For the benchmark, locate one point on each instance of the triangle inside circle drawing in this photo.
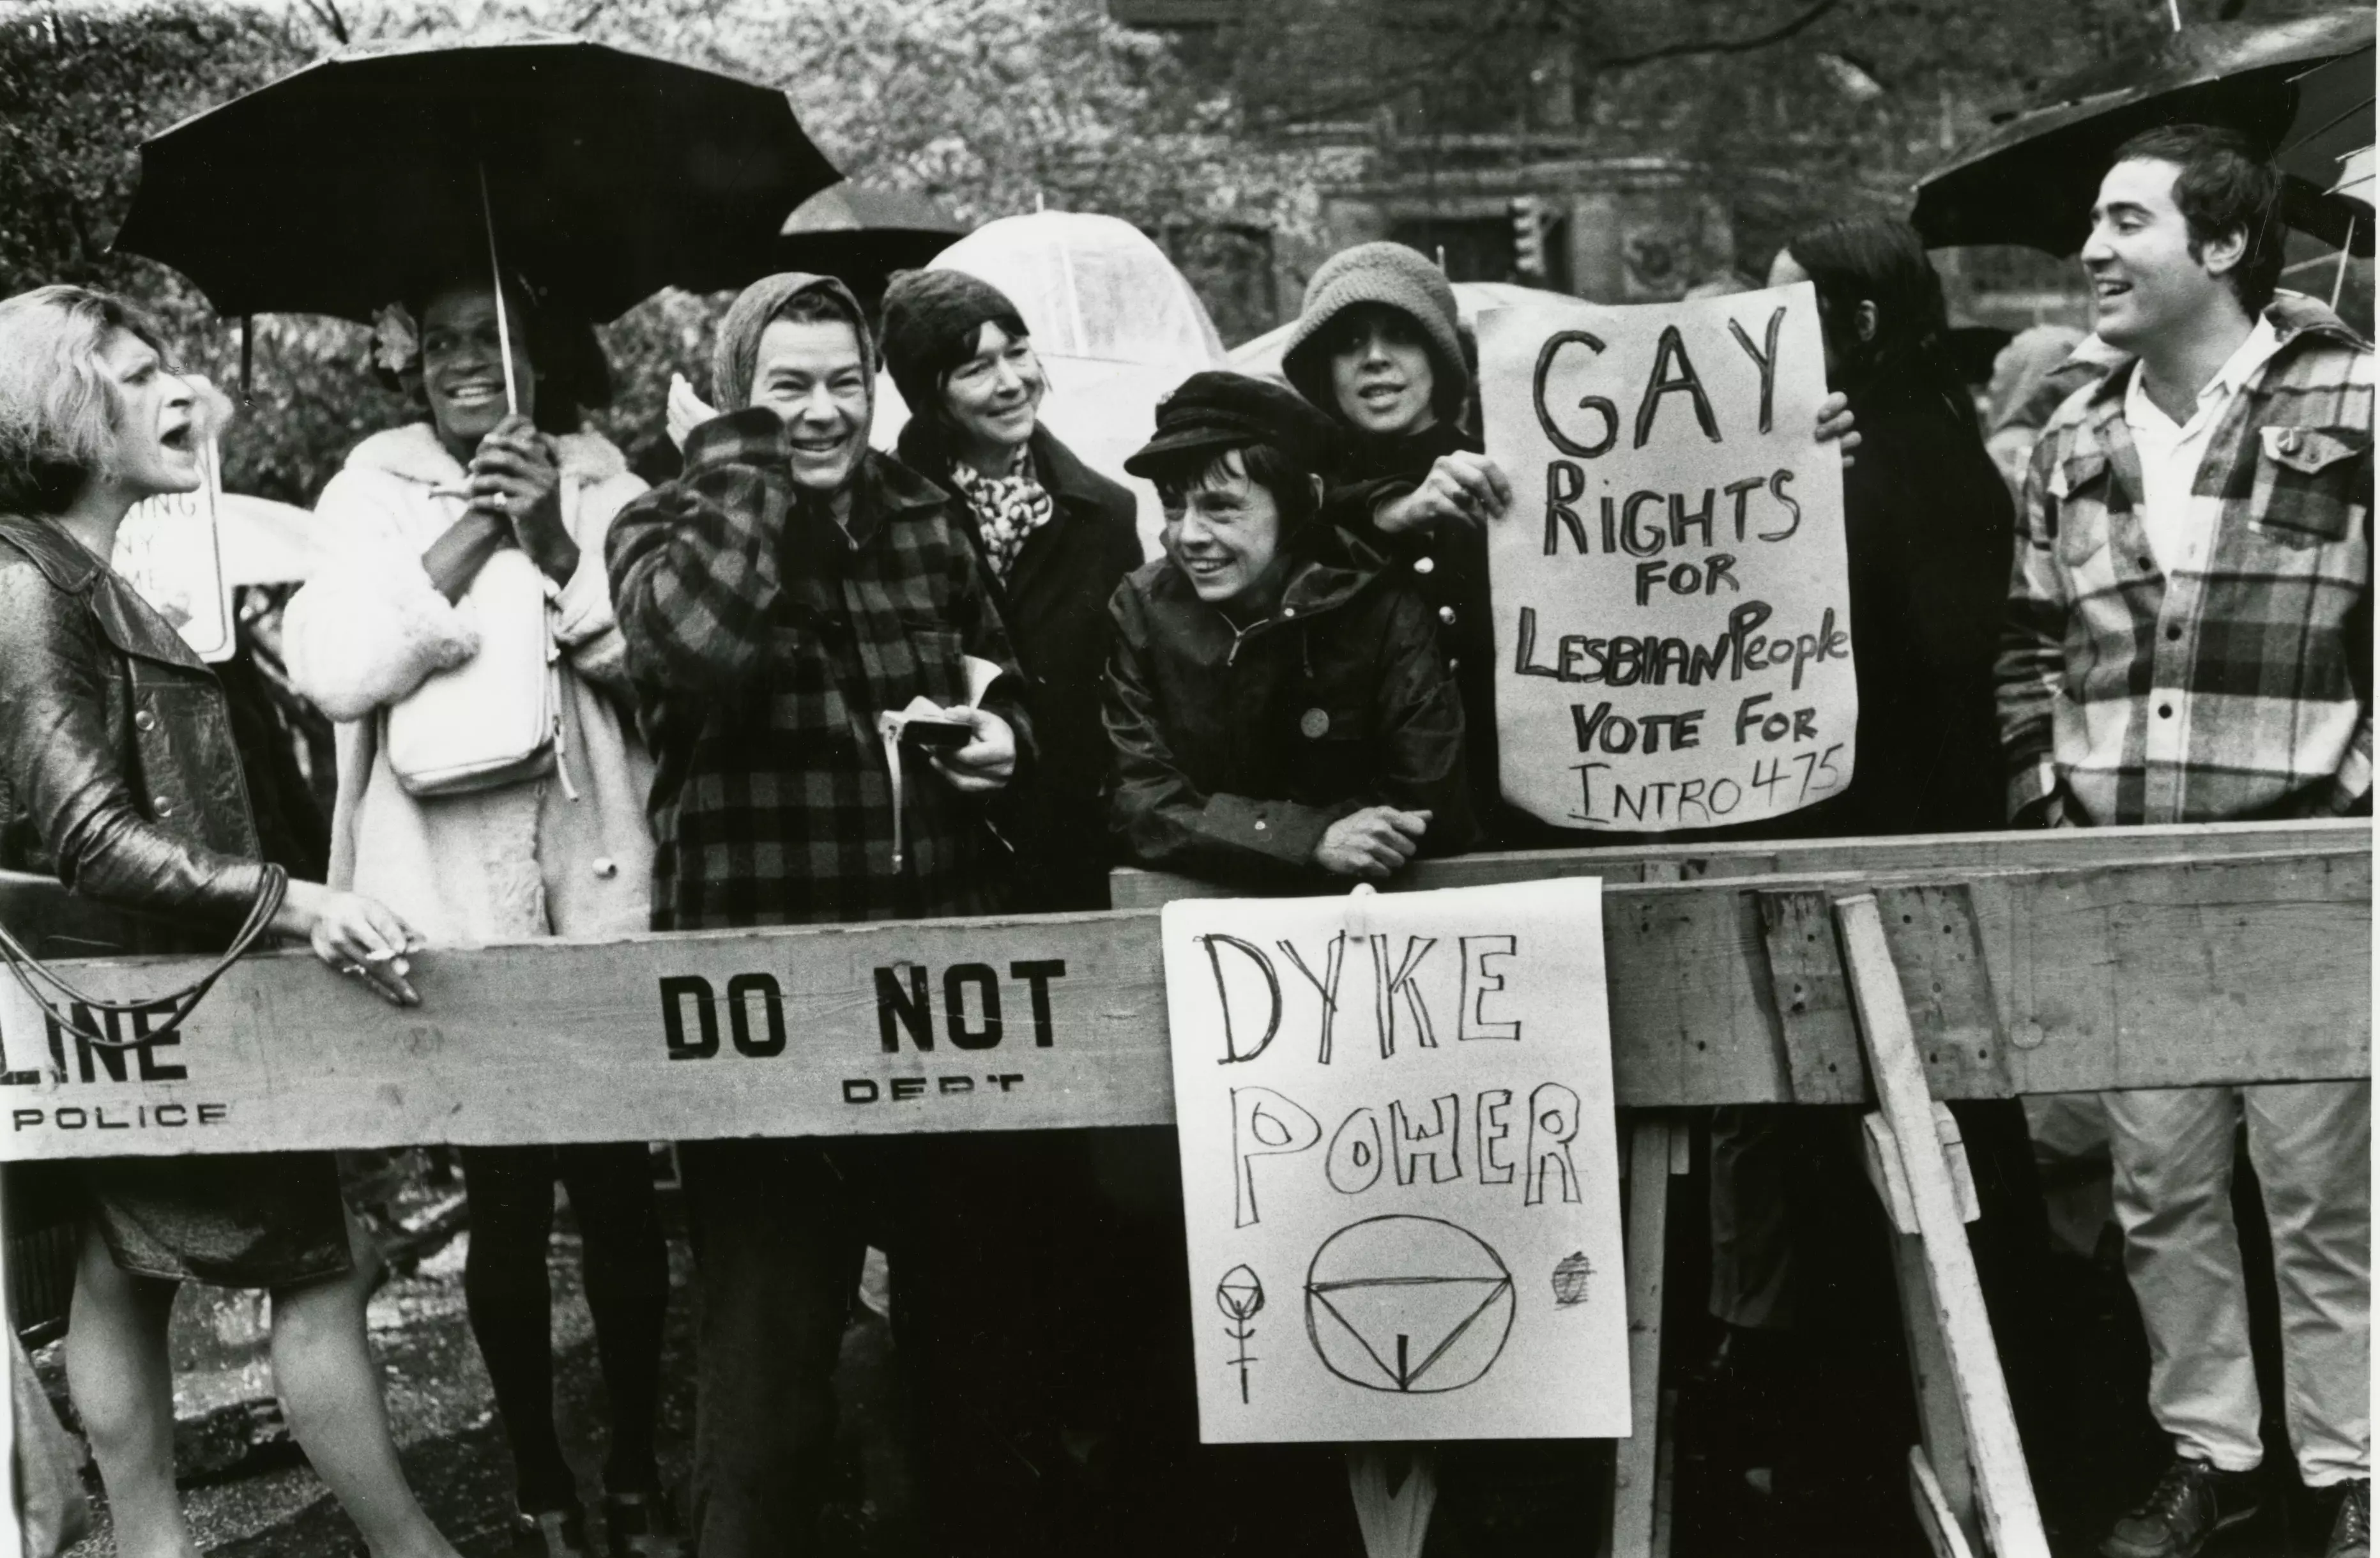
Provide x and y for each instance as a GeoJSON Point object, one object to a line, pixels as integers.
{"type": "Point", "coordinates": [1412, 1334]}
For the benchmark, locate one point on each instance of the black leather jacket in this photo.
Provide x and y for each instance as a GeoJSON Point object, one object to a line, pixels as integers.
{"type": "Point", "coordinates": [118, 774]}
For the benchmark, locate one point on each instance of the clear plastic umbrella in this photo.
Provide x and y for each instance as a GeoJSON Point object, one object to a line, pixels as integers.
{"type": "Point", "coordinates": [1115, 325]}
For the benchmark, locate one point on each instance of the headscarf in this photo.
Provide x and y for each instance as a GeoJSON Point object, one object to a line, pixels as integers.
{"type": "Point", "coordinates": [735, 355]}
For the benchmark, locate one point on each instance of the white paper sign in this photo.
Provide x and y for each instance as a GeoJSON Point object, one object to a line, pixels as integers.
{"type": "Point", "coordinates": [1398, 1165]}
{"type": "Point", "coordinates": [1671, 600]}
{"type": "Point", "coordinates": [170, 548]}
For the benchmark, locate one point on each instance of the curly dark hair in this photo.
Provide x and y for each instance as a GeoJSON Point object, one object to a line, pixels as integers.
{"type": "Point", "coordinates": [2224, 185]}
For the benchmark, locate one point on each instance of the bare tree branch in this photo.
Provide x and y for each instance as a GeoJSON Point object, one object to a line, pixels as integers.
{"type": "Point", "coordinates": [1717, 46]}
{"type": "Point", "coordinates": [326, 16]}
{"type": "Point", "coordinates": [1491, 33]}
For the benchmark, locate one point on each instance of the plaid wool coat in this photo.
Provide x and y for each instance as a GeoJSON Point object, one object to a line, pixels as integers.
{"type": "Point", "coordinates": [2128, 694]}
{"type": "Point", "coordinates": [763, 640]}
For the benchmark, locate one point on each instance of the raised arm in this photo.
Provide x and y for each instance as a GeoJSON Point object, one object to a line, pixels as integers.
{"type": "Point", "coordinates": [694, 563]}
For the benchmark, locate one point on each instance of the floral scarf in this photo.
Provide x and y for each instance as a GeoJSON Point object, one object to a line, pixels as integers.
{"type": "Point", "coordinates": [1007, 508]}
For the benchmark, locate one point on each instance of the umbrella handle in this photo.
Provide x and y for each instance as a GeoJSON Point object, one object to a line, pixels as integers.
{"type": "Point", "coordinates": [496, 270]}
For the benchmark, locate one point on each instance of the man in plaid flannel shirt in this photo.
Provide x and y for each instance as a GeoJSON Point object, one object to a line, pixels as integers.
{"type": "Point", "coordinates": [2189, 641]}
{"type": "Point", "coordinates": [790, 588]}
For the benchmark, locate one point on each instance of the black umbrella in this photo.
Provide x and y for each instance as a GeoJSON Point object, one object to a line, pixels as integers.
{"type": "Point", "coordinates": [2031, 179]}
{"type": "Point", "coordinates": [600, 174]}
{"type": "Point", "coordinates": [2332, 123]}
{"type": "Point", "coordinates": [859, 231]}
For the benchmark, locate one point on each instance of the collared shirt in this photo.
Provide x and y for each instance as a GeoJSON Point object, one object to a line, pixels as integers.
{"type": "Point", "coordinates": [2238, 687]}
{"type": "Point", "coordinates": [2179, 531]}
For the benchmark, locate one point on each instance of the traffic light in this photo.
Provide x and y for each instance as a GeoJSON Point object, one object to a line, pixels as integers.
{"type": "Point", "coordinates": [1528, 237]}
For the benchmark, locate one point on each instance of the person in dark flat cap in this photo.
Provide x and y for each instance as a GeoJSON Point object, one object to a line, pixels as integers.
{"type": "Point", "coordinates": [1280, 715]}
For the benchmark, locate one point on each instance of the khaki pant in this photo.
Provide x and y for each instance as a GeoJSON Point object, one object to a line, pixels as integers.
{"type": "Point", "coordinates": [2312, 1145]}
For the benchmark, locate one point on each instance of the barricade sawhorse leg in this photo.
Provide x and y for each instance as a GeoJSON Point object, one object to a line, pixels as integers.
{"type": "Point", "coordinates": [1643, 1463]}
{"type": "Point", "coordinates": [1950, 1334]}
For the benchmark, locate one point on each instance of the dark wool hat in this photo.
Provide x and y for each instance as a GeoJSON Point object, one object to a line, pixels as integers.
{"type": "Point", "coordinates": [932, 319]}
{"type": "Point", "coordinates": [1394, 276]}
{"type": "Point", "coordinates": [1213, 412]}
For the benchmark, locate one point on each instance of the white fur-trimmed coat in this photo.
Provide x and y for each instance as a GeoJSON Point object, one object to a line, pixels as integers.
{"type": "Point", "coordinates": [526, 860]}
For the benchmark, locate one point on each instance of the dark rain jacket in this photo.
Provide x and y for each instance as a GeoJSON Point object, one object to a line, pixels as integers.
{"type": "Point", "coordinates": [1055, 603]}
{"type": "Point", "coordinates": [1447, 567]}
{"type": "Point", "coordinates": [118, 772]}
{"type": "Point", "coordinates": [1235, 749]}
{"type": "Point", "coordinates": [1927, 529]}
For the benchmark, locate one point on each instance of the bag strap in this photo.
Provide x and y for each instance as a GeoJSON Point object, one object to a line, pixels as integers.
{"type": "Point", "coordinates": [454, 559]}
{"type": "Point", "coordinates": [28, 969]}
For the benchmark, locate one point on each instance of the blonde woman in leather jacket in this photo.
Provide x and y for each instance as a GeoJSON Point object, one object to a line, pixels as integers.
{"type": "Point", "coordinates": [118, 776]}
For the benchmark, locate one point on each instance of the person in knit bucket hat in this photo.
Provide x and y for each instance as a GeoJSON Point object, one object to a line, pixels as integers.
{"type": "Point", "coordinates": [1378, 348]}
{"type": "Point", "coordinates": [1372, 278]}
{"type": "Point", "coordinates": [932, 322]}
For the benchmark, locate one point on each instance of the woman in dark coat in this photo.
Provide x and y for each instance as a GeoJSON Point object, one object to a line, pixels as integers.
{"type": "Point", "coordinates": [1055, 536]}
{"type": "Point", "coordinates": [1927, 527]}
{"type": "Point", "coordinates": [1800, 1281]}
{"type": "Point", "coordinates": [1280, 715]}
{"type": "Point", "coordinates": [1378, 348]}
{"type": "Point", "coordinates": [119, 776]}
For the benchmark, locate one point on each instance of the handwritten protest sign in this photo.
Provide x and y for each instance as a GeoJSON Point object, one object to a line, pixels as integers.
{"type": "Point", "coordinates": [1672, 621]}
{"type": "Point", "coordinates": [170, 549]}
{"type": "Point", "coordinates": [1397, 1161]}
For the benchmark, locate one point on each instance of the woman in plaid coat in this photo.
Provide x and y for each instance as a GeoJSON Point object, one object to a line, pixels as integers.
{"type": "Point", "coordinates": [790, 589]}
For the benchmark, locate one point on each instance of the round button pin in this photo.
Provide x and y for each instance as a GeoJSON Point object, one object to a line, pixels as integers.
{"type": "Point", "coordinates": [1315, 724]}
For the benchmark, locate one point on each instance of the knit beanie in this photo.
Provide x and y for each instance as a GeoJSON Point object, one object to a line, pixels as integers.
{"type": "Point", "coordinates": [1396, 277]}
{"type": "Point", "coordinates": [932, 319]}
{"type": "Point", "coordinates": [736, 354]}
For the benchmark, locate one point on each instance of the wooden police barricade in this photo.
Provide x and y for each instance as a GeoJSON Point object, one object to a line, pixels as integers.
{"type": "Point", "coordinates": [1901, 970]}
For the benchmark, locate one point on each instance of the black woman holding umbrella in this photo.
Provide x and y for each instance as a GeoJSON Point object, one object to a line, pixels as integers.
{"type": "Point", "coordinates": [437, 534]}
{"type": "Point", "coordinates": [117, 775]}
